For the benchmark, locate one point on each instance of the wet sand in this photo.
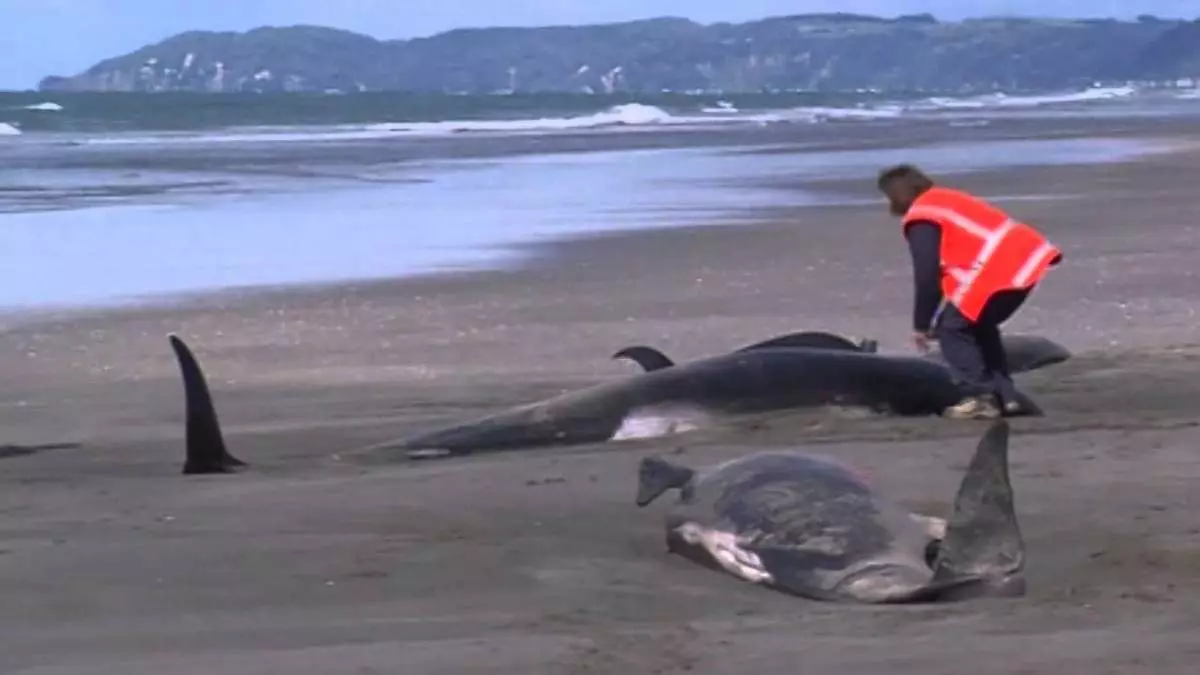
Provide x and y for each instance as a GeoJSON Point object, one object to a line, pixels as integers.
{"type": "Point", "coordinates": [323, 558]}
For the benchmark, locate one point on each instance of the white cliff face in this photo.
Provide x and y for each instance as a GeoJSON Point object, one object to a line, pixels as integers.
{"type": "Point", "coordinates": [609, 79]}
{"type": "Point", "coordinates": [217, 83]}
{"type": "Point", "coordinates": [193, 74]}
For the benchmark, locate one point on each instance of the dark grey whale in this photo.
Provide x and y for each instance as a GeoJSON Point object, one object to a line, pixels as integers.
{"type": "Point", "coordinates": [808, 369]}
{"type": "Point", "coordinates": [665, 401]}
{"type": "Point", "coordinates": [689, 395]}
{"type": "Point", "coordinates": [814, 528]}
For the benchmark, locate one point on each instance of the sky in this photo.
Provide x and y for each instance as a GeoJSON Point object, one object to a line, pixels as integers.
{"type": "Point", "coordinates": [64, 37]}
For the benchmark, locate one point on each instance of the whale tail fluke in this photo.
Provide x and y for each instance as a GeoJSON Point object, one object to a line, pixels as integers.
{"type": "Point", "coordinates": [649, 358]}
{"type": "Point", "coordinates": [983, 541]}
{"type": "Point", "coordinates": [657, 475]}
{"type": "Point", "coordinates": [1025, 353]}
{"type": "Point", "coordinates": [206, 451]}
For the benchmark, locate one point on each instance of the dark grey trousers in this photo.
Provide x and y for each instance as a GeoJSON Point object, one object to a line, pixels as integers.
{"type": "Point", "coordinates": [975, 352]}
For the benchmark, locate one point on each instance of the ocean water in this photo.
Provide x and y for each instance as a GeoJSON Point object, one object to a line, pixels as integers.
{"type": "Point", "coordinates": [389, 113]}
{"type": "Point", "coordinates": [111, 204]}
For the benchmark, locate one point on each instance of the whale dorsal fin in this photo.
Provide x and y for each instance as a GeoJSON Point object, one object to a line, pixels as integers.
{"type": "Point", "coordinates": [649, 358]}
{"type": "Point", "coordinates": [206, 451]}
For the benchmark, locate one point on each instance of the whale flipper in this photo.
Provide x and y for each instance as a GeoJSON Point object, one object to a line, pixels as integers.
{"type": "Point", "coordinates": [206, 451]}
{"type": "Point", "coordinates": [649, 358]}
{"type": "Point", "coordinates": [983, 540]}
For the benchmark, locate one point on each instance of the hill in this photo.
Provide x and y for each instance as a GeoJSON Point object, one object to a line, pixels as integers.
{"type": "Point", "coordinates": [807, 52]}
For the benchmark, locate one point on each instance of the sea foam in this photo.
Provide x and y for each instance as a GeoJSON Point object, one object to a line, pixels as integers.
{"type": "Point", "coordinates": [47, 106]}
{"type": "Point", "coordinates": [1002, 100]}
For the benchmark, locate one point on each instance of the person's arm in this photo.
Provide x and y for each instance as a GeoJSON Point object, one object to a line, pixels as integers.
{"type": "Point", "coordinates": [925, 243]}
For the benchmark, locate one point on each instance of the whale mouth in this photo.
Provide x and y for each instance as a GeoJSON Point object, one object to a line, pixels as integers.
{"type": "Point", "coordinates": [726, 549]}
{"type": "Point", "coordinates": [428, 453]}
{"type": "Point", "coordinates": [659, 421]}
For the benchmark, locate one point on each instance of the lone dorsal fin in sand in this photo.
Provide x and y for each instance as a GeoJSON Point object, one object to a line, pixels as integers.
{"type": "Point", "coordinates": [649, 358]}
{"type": "Point", "coordinates": [657, 475]}
{"type": "Point", "coordinates": [815, 339]}
{"type": "Point", "coordinates": [206, 451]}
{"type": "Point", "coordinates": [983, 540]}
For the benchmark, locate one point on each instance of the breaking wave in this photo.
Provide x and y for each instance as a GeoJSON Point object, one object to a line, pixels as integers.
{"type": "Point", "coordinates": [628, 114]}
{"type": "Point", "coordinates": [1002, 100]}
{"type": "Point", "coordinates": [628, 117]}
{"type": "Point", "coordinates": [45, 106]}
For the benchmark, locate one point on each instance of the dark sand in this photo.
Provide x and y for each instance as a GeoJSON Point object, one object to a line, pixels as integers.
{"type": "Point", "coordinates": [324, 559]}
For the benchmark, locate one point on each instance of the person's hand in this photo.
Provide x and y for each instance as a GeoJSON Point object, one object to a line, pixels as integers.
{"type": "Point", "coordinates": [922, 341]}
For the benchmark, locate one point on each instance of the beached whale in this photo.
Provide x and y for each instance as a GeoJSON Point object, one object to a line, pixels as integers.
{"type": "Point", "coordinates": [590, 415]}
{"type": "Point", "coordinates": [763, 377]}
{"type": "Point", "coordinates": [1025, 352]}
{"type": "Point", "coordinates": [813, 527]}
{"type": "Point", "coordinates": [666, 401]}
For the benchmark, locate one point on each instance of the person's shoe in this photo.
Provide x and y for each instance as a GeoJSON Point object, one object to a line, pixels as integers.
{"type": "Point", "coordinates": [973, 408]}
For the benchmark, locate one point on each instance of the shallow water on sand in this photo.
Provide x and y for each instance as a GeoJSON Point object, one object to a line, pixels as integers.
{"type": "Point", "coordinates": [83, 236]}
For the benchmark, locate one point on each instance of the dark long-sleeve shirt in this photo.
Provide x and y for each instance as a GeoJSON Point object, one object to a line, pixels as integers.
{"type": "Point", "coordinates": [925, 245]}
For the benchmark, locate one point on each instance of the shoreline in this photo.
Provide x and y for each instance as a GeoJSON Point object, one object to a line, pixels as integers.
{"type": "Point", "coordinates": [528, 255]}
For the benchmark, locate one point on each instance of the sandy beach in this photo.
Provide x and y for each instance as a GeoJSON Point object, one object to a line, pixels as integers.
{"type": "Point", "coordinates": [324, 558]}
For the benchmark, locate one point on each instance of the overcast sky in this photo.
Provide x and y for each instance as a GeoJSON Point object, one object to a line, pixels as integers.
{"type": "Point", "coordinates": [64, 37]}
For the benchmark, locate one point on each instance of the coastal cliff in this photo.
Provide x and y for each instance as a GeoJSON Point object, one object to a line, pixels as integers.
{"type": "Point", "coordinates": [820, 52]}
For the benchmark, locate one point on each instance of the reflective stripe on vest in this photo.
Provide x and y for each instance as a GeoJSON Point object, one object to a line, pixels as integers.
{"type": "Point", "coordinates": [1032, 263]}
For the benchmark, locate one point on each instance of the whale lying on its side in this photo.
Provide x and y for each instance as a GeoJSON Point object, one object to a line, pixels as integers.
{"type": "Point", "coordinates": [670, 400]}
{"type": "Point", "coordinates": [768, 376]}
{"type": "Point", "coordinates": [813, 528]}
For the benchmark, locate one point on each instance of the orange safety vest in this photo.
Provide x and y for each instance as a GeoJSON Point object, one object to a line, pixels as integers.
{"type": "Point", "coordinates": [983, 251]}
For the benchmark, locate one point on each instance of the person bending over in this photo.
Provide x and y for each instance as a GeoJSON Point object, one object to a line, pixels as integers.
{"type": "Point", "coordinates": [973, 267]}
